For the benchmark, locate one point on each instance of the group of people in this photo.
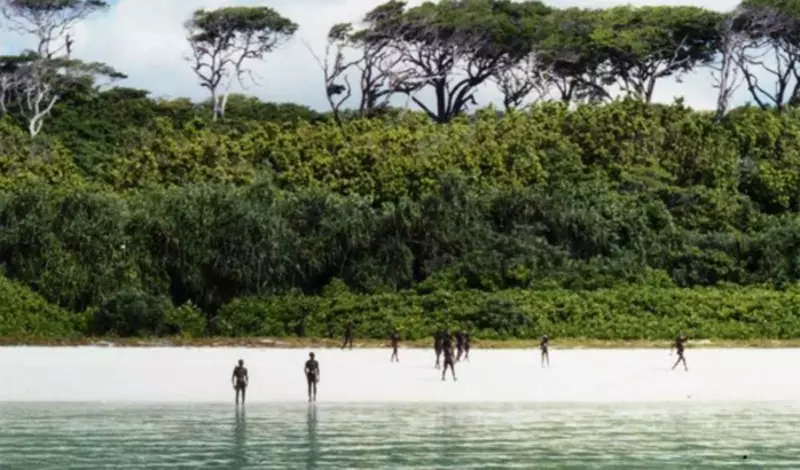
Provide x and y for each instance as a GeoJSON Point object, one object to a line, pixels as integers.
{"type": "Point", "coordinates": [442, 346]}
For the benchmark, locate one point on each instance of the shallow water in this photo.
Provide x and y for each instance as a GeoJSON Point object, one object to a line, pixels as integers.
{"type": "Point", "coordinates": [457, 436]}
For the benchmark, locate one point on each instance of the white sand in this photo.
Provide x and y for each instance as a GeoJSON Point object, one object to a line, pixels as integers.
{"type": "Point", "coordinates": [194, 375]}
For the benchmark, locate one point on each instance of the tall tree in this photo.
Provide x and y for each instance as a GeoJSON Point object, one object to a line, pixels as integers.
{"type": "Point", "coordinates": [773, 50]}
{"type": "Point", "coordinates": [40, 75]}
{"type": "Point", "coordinates": [368, 53]}
{"type": "Point", "coordinates": [645, 44]}
{"type": "Point", "coordinates": [335, 67]}
{"type": "Point", "coordinates": [525, 73]}
{"type": "Point", "coordinates": [725, 70]}
{"type": "Point", "coordinates": [455, 46]}
{"type": "Point", "coordinates": [381, 71]}
{"type": "Point", "coordinates": [577, 67]}
{"type": "Point", "coordinates": [48, 21]}
{"type": "Point", "coordinates": [42, 83]}
{"type": "Point", "coordinates": [223, 40]}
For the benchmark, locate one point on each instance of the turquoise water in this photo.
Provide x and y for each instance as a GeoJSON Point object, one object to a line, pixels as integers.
{"type": "Point", "coordinates": [697, 436]}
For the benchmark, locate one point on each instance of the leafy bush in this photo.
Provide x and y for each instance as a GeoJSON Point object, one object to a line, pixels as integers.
{"type": "Point", "coordinates": [131, 313]}
{"type": "Point", "coordinates": [25, 314]}
{"type": "Point", "coordinates": [185, 320]}
{"type": "Point", "coordinates": [636, 312]}
{"type": "Point", "coordinates": [571, 221]}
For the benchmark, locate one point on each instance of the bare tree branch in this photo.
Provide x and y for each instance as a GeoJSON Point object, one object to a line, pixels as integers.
{"type": "Point", "coordinates": [40, 76]}
{"type": "Point", "coordinates": [49, 21]}
{"type": "Point", "coordinates": [770, 46]}
{"type": "Point", "coordinates": [337, 85]}
{"type": "Point", "coordinates": [517, 81]}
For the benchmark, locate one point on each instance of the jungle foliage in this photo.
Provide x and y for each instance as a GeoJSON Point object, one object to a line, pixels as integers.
{"type": "Point", "coordinates": [581, 215]}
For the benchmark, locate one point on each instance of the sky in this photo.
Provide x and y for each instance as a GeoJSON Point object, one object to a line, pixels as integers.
{"type": "Point", "coordinates": [145, 39]}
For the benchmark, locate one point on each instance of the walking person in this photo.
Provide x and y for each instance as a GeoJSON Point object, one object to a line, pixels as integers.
{"type": "Point", "coordinates": [395, 342]}
{"type": "Point", "coordinates": [348, 335]}
{"type": "Point", "coordinates": [679, 345]}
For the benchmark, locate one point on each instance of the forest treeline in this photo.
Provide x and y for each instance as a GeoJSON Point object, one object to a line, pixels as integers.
{"type": "Point", "coordinates": [194, 227]}
{"type": "Point", "coordinates": [125, 215]}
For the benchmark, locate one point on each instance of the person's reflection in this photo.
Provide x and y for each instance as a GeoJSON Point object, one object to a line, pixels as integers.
{"type": "Point", "coordinates": [312, 460]}
{"type": "Point", "coordinates": [448, 436]}
{"type": "Point", "coordinates": [239, 440]}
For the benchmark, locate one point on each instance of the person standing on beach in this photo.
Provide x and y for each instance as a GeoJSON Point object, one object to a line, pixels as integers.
{"type": "Point", "coordinates": [467, 343]}
{"type": "Point", "coordinates": [459, 344]}
{"type": "Point", "coordinates": [240, 379]}
{"type": "Point", "coordinates": [544, 346]}
{"type": "Point", "coordinates": [447, 341]}
{"type": "Point", "coordinates": [447, 350]}
{"type": "Point", "coordinates": [395, 341]}
{"type": "Point", "coordinates": [437, 346]}
{"type": "Point", "coordinates": [678, 345]}
{"type": "Point", "coordinates": [312, 377]}
{"type": "Point", "coordinates": [348, 335]}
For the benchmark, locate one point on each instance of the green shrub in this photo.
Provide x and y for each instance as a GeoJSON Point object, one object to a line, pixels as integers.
{"type": "Point", "coordinates": [131, 313]}
{"type": "Point", "coordinates": [185, 320]}
{"type": "Point", "coordinates": [631, 313]}
{"type": "Point", "coordinates": [25, 314]}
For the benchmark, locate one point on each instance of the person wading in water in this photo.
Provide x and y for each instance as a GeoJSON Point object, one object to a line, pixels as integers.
{"type": "Point", "coordinates": [395, 341]}
{"type": "Point", "coordinates": [239, 379]}
{"type": "Point", "coordinates": [312, 377]}
{"type": "Point", "coordinates": [679, 345]}
{"type": "Point", "coordinates": [544, 346]}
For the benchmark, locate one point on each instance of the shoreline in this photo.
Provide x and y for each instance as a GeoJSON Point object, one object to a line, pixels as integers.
{"type": "Point", "coordinates": [302, 343]}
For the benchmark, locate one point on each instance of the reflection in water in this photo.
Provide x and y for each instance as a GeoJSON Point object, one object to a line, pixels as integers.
{"type": "Point", "coordinates": [413, 436]}
{"type": "Point", "coordinates": [447, 426]}
{"type": "Point", "coordinates": [239, 440]}
{"type": "Point", "coordinates": [311, 429]}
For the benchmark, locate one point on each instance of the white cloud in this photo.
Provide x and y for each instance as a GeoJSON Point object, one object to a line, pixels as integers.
{"type": "Point", "coordinates": [145, 39]}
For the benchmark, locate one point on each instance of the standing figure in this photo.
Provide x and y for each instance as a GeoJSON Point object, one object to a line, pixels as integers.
{"type": "Point", "coordinates": [459, 344]}
{"type": "Point", "coordinates": [437, 345]}
{"type": "Point", "coordinates": [679, 345]}
{"type": "Point", "coordinates": [348, 335]}
{"type": "Point", "coordinates": [447, 340]}
{"type": "Point", "coordinates": [449, 359]}
{"type": "Point", "coordinates": [240, 379]}
{"type": "Point", "coordinates": [467, 344]}
{"type": "Point", "coordinates": [395, 342]}
{"type": "Point", "coordinates": [544, 346]}
{"type": "Point", "coordinates": [312, 377]}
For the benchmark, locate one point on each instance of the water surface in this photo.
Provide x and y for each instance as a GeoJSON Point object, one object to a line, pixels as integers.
{"type": "Point", "coordinates": [399, 436]}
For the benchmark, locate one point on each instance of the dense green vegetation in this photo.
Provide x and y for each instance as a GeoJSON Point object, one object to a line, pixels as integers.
{"type": "Point", "coordinates": [580, 217]}
{"type": "Point", "coordinates": [621, 221]}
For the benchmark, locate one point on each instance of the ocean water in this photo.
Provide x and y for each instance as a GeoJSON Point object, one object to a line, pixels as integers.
{"type": "Point", "coordinates": [398, 436]}
{"type": "Point", "coordinates": [150, 408]}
